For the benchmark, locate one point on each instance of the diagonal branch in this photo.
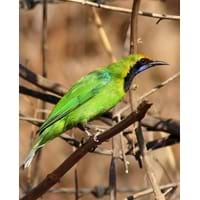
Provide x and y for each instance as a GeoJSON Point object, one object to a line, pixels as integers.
{"type": "Point", "coordinates": [92, 143]}
{"type": "Point", "coordinates": [40, 81]}
{"type": "Point", "coordinates": [108, 7]}
{"type": "Point", "coordinates": [170, 126]}
{"type": "Point", "coordinates": [39, 95]}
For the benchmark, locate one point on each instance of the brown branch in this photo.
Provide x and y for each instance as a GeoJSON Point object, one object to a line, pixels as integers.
{"type": "Point", "coordinates": [134, 26]}
{"type": "Point", "coordinates": [34, 121]}
{"type": "Point", "coordinates": [150, 92]}
{"type": "Point", "coordinates": [157, 87]}
{"type": "Point", "coordinates": [110, 8]}
{"type": "Point", "coordinates": [170, 126]}
{"type": "Point", "coordinates": [162, 142]}
{"type": "Point", "coordinates": [44, 38]}
{"type": "Point", "coordinates": [103, 35]}
{"type": "Point", "coordinates": [112, 179]}
{"type": "Point", "coordinates": [100, 191]}
{"type": "Point", "coordinates": [92, 143]}
{"type": "Point", "coordinates": [40, 81]}
{"type": "Point", "coordinates": [151, 145]}
{"type": "Point", "coordinates": [39, 95]}
{"type": "Point", "coordinates": [147, 164]}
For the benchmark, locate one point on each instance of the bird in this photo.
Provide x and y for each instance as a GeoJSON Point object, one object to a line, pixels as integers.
{"type": "Point", "coordinates": [91, 96]}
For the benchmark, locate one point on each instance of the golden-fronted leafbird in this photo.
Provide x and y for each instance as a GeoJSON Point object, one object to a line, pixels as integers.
{"type": "Point", "coordinates": [91, 96]}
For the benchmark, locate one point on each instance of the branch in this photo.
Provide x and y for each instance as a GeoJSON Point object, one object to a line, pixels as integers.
{"type": "Point", "coordinates": [101, 191]}
{"type": "Point", "coordinates": [151, 145]}
{"type": "Point", "coordinates": [170, 126]}
{"type": "Point", "coordinates": [40, 81]}
{"type": "Point", "coordinates": [111, 8]}
{"type": "Point", "coordinates": [39, 95]}
{"type": "Point", "coordinates": [162, 142]}
{"type": "Point", "coordinates": [147, 164]}
{"type": "Point", "coordinates": [152, 91]}
{"type": "Point", "coordinates": [92, 143]}
{"type": "Point", "coordinates": [159, 86]}
{"type": "Point", "coordinates": [134, 26]}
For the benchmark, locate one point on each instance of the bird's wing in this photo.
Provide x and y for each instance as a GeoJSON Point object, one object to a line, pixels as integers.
{"type": "Point", "coordinates": [81, 92]}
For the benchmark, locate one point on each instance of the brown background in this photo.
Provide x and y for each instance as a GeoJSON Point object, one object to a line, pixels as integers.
{"type": "Point", "coordinates": [74, 49]}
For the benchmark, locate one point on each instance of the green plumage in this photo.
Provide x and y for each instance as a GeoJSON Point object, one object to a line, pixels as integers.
{"type": "Point", "coordinates": [91, 96]}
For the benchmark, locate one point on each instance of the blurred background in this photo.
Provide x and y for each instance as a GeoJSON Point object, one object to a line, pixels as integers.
{"type": "Point", "coordinates": [74, 48]}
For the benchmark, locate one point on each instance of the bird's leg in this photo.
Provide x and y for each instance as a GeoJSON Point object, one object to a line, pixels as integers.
{"type": "Point", "coordinates": [85, 127]}
{"type": "Point", "coordinates": [99, 132]}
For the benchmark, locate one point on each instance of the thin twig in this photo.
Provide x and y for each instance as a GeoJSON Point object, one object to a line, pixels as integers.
{"type": "Point", "coordinates": [41, 81]}
{"type": "Point", "coordinates": [152, 91]}
{"type": "Point", "coordinates": [103, 35]}
{"type": "Point", "coordinates": [113, 179]}
{"type": "Point", "coordinates": [123, 148]}
{"type": "Point", "coordinates": [159, 86]}
{"type": "Point", "coordinates": [113, 8]}
{"type": "Point", "coordinates": [100, 191]}
{"type": "Point", "coordinates": [39, 95]}
{"type": "Point", "coordinates": [32, 120]}
{"type": "Point", "coordinates": [134, 27]}
{"type": "Point", "coordinates": [147, 164]}
{"type": "Point", "coordinates": [151, 145]}
{"type": "Point", "coordinates": [170, 126]}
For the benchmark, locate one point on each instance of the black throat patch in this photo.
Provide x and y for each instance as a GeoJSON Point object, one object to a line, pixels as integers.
{"type": "Point", "coordinates": [133, 72]}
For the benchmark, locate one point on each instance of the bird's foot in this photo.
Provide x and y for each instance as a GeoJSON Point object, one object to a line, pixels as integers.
{"type": "Point", "coordinates": [95, 136]}
{"type": "Point", "coordinates": [88, 133]}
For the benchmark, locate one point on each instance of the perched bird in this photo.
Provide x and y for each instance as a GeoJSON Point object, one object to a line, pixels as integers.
{"type": "Point", "coordinates": [91, 96]}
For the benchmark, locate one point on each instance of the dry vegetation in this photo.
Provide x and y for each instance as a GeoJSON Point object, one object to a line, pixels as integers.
{"type": "Point", "coordinates": [69, 46]}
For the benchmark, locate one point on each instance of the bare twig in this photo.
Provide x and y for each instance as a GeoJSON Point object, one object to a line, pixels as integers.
{"type": "Point", "coordinates": [170, 126]}
{"type": "Point", "coordinates": [40, 81]}
{"type": "Point", "coordinates": [55, 176]}
{"type": "Point", "coordinates": [147, 164]}
{"type": "Point", "coordinates": [134, 26]}
{"type": "Point", "coordinates": [113, 179]}
{"type": "Point", "coordinates": [113, 8]}
{"type": "Point", "coordinates": [32, 120]}
{"type": "Point", "coordinates": [152, 91]}
{"type": "Point", "coordinates": [76, 183]}
{"type": "Point", "coordinates": [159, 86]}
{"type": "Point", "coordinates": [103, 35]}
{"type": "Point", "coordinates": [151, 145]}
{"type": "Point", "coordinates": [162, 142]}
{"type": "Point", "coordinates": [44, 38]}
{"type": "Point", "coordinates": [39, 95]}
{"type": "Point", "coordinates": [100, 191]}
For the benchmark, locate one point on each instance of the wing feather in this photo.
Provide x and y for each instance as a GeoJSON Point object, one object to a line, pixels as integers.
{"type": "Point", "coordinates": [81, 92]}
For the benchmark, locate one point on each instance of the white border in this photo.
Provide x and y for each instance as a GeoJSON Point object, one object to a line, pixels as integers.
{"type": "Point", "coordinates": [9, 131]}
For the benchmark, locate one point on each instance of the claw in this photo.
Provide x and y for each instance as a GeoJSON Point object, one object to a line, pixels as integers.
{"type": "Point", "coordinates": [95, 136]}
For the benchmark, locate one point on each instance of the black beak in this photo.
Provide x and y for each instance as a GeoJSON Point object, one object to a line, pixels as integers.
{"type": "Point", "coordinates": [156, 63]}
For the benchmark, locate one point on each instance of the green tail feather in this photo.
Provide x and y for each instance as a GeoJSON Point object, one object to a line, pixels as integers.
{"type": "Point", "coordinates": [32, 153]}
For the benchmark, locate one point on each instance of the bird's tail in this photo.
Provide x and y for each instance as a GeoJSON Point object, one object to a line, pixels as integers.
{"type": "Point", "coordinates": [29, 158]}
{"type": "Point", "coordinates": [32, 153]}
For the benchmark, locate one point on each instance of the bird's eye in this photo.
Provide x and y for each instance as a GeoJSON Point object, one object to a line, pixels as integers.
{"type": "Point", "coordinates": [144, 61]}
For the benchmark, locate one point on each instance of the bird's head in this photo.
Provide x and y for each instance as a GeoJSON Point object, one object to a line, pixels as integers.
{"type": "Point", "coordinates": [134, 64]}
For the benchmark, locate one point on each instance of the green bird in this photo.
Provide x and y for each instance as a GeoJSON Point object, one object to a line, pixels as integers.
{"type": "Point", "coordinates": [91, 96]}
